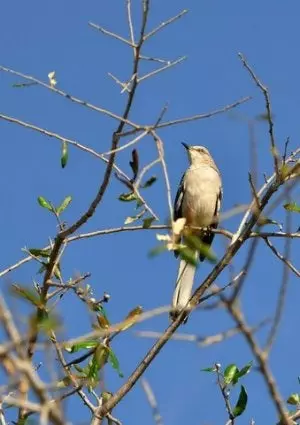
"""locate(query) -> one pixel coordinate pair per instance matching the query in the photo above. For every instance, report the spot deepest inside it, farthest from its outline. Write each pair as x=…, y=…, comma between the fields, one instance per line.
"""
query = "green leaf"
x=100, y=309
x=230, y=373
x=65, y=203
x=147, y=222
x=84, y=345
x=98, y=361
x=37, y=252
x=64, y=154
x=57, y=272
x=149, y=182
x=208, y=369
x=47, y=322
x=245, y=369
x=27, y=294
x=187, y=254
x=241, y=403
x=294, y=399
x=195, y=243
x=113, y=360
x=157, y=250
x=21, y=85
x=44, y=203
x=292, y=207
x=127, y=197
x=130, y=220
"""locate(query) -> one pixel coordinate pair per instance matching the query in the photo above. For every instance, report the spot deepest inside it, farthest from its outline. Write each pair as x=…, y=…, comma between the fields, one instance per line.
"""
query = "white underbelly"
x=202, y=187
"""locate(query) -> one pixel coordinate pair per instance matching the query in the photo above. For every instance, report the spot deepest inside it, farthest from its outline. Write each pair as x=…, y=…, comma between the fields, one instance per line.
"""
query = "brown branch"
x=281, y=257
x=269, y=112
x=74, y=99
x=222, y=264
x=283, y=288
x=262, y=362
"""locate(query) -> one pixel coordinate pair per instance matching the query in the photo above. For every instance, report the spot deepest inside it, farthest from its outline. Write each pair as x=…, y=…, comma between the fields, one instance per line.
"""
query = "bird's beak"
x=185, y=145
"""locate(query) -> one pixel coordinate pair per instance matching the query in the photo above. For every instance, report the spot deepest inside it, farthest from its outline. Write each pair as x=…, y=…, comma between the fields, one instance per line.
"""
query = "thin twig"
x=130, y=24
x=152, y=401
x=110, y=34
x=281, y=257
x=163, y=68
x=225, y=394
x=71, y=98
x=268, y=110
x=262, y=362
x=165, y=23
x=283, y=290
x=160, y=150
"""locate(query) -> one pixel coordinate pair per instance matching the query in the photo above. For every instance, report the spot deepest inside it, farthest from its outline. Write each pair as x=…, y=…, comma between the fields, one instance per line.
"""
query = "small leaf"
x=158, y=250
x=106, y=395
x=98, y=361
x=47, y=322
x=292, y=207
x=208, y=369
x=241, y=403
x=56, y=272
x=131, y=318
x=113, y=360
x=187, y=254
x=205, y=250
x=44, y=203
x=130, y=220
x=45, y=253
x=65, y=203
x=98, y=307
x=21, y=85
x=230, y=373
x=134, y=164
x=84, y=345
x=263, y=117
x=102, y=322
x=127, y=197
x=245, y=370
x=294, y=399
x=149, y=182
x=147, y=222
x=64, y=154
x=27, y=294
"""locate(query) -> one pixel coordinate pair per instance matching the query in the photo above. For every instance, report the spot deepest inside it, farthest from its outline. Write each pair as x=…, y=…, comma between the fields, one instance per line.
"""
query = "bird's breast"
x=201, y=190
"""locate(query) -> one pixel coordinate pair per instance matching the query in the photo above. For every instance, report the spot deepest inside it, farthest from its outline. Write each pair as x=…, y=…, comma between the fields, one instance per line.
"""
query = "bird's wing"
x=179, y=199
x=209, y=236
x=178, y=204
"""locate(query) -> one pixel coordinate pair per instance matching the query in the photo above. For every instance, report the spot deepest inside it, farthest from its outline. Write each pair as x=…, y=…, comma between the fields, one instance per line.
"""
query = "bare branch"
x=281, y=257
x=163, y=68
x=269, y=112
x=111, y=34
x=74, y=99
x=164, y=24
x=152, y=401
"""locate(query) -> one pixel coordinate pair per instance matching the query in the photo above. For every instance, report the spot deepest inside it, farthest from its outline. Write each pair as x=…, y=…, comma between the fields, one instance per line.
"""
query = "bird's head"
x=198, y=154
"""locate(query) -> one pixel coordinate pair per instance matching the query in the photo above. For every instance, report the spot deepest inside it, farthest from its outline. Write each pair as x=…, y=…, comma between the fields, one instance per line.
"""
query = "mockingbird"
x=198, y=200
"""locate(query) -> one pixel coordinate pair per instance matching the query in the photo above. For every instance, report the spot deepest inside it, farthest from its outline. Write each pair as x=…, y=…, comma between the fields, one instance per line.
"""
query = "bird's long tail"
x=183, y=288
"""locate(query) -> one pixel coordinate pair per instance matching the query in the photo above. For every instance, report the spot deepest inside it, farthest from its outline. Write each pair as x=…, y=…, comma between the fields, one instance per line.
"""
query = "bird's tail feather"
x=183, y=288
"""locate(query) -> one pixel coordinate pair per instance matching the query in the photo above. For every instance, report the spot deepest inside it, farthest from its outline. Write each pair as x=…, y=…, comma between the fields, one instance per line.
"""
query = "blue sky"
x=39, y=38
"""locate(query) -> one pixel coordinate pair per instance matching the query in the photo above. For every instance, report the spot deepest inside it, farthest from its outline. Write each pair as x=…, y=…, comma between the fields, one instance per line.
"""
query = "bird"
x=198, y=201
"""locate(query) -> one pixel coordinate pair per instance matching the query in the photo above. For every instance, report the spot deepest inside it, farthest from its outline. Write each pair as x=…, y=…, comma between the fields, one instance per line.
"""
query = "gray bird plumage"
x=198, y=200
